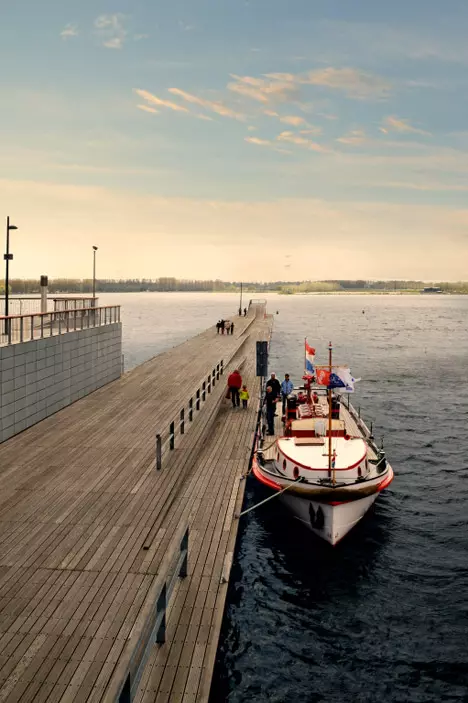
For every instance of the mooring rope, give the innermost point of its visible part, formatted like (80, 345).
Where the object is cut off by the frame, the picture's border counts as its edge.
(244, 512)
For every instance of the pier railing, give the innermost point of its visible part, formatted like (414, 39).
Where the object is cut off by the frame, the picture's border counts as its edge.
(151, 626)
(186, 414)
(26, 328)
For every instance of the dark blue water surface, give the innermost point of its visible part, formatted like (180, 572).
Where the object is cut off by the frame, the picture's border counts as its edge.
(382, 616)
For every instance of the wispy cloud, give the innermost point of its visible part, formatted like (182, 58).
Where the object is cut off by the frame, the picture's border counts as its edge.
(260, 142)
(261, 90)
(394, 124)
(70, 30)
(149, 97)
(355, 83)
(300, 141)
(293, 120)
(214, 106)
(111, 31)
(147, 108)
(355, 137)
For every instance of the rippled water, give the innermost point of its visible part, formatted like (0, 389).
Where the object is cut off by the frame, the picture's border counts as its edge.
(382, 616)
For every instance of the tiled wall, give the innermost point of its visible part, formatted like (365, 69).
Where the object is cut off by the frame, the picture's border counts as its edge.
(40, 377)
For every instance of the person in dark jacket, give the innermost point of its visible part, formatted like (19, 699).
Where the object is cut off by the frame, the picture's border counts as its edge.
(270, 400)
(232, 327)
(234, 384)
(274, 383)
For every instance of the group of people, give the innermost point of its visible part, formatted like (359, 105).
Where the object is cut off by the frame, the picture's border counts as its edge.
(240, 312)
(225, 325)
(237, 391)
(276, 391)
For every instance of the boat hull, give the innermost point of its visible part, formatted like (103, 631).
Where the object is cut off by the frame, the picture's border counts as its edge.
(331, 515)
(330, 522)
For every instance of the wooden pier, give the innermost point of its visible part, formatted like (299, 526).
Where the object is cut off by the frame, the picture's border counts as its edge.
(89, 526)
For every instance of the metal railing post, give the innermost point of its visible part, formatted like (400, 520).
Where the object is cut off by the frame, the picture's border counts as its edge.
(42, 326)
(158, 453)
(182, 421)
(74, 320)
(204, 391)
(21, 329)
(190, 412)
(217, 372)
(67, 320)
(222, 367)
(209, 383)
(172, 435)
(213, 378)
(161, 608)
(197, 402)
(32, 326)
(52, 319)
(184, 548)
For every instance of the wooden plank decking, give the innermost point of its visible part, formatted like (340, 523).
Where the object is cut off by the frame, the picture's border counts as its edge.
(86, 520)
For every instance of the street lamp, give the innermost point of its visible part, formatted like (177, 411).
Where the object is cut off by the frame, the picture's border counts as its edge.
(8, 257)
(94, 275)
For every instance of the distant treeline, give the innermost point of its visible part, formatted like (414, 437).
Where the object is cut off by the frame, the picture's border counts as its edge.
(132, 285)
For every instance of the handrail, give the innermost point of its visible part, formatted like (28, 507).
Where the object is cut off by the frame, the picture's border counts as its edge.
(150, 627)
(194, 403)
(58, 312)
(27, 328)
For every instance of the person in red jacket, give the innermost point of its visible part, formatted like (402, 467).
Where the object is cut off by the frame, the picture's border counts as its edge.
(234, 384)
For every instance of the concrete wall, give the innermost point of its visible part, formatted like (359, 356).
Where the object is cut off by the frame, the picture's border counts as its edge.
(41, 377)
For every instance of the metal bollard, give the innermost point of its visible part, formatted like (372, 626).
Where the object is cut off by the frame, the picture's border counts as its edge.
(182, 421)
(217, 372)
(204, 391)
(209, 383)
(190, 412)
(197, 403)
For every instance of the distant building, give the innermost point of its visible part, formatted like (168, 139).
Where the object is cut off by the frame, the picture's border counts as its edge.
(432, 289)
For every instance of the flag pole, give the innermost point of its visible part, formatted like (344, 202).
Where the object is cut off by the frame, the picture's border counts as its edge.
(330, 349)
(305, 356)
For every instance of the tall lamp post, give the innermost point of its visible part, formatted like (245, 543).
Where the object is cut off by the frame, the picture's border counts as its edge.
(8, 257)
(94, 275)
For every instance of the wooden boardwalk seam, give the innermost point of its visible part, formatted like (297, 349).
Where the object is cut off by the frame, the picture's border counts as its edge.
(86, 521)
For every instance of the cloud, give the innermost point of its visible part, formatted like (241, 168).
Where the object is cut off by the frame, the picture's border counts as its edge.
(215, 106)
(251, 128)
(261, 90)
(293, 120)
(300, 141)
(149, 97)
(394, 124)
(355, 137)
(110, 30)
(260, 142)
(270, 113)
(70, 30)
(139, 37)
(355, 83)
(147, 108)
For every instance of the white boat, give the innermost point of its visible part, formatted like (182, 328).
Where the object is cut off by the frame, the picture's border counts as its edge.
(323, 461)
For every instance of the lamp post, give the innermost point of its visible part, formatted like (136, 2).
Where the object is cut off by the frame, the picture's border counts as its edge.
(8, 257)
(94, 275)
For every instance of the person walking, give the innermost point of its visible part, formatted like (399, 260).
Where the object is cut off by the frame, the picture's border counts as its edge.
(218, 326)
(234, 384)
(286, 388)
(232, 327)
(270, 401)
(244, 396)
(245, 312)
(222, 326)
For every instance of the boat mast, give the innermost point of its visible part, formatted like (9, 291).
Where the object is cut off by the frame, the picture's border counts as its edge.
(330, 349)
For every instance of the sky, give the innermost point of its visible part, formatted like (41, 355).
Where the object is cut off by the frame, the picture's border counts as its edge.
(236, 139)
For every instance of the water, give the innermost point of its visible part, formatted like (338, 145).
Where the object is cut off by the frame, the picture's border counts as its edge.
(382, 616)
